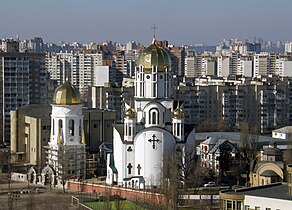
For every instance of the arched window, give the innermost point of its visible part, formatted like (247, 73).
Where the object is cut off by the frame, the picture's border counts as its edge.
(80, 131)
(60, 124)
(71, 127)
(154, 116)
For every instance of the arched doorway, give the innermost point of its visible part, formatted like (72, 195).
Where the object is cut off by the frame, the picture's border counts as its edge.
(48, 176)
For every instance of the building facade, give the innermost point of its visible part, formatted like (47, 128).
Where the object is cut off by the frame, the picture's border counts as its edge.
(23, 82)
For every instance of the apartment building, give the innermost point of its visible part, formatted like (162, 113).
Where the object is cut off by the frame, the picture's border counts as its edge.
(77, 67)
(23, 82)
(263, 103)
(112, 98)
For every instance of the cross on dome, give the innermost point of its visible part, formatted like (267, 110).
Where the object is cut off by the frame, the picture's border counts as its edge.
(154, 30)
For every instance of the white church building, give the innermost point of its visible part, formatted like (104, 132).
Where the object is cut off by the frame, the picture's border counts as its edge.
(152, 129)
(66, 158)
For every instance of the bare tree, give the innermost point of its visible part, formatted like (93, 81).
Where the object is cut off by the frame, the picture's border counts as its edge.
(248, 147)
(181, 171)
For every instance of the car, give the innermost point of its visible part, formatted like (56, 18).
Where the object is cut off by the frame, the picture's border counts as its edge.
(209, 184)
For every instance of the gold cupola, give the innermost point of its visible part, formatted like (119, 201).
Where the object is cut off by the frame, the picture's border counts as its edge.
(66, 94)
(130, 113)
(154, 55)
(178, 113)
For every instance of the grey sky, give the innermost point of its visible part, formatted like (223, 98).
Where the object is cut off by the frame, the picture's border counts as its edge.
(179, 21)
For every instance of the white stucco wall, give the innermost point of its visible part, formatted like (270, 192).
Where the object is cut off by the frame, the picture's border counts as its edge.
(151, 160)
(263, 203)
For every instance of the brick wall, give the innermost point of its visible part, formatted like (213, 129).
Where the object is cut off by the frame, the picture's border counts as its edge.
(127, 193)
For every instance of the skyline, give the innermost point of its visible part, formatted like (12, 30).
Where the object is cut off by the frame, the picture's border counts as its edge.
(179, 22)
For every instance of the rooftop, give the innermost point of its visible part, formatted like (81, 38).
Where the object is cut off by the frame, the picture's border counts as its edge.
(276, 190)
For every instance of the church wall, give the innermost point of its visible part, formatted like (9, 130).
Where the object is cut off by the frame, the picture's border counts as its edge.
(151, 159)
(118, 150)
(130, 159)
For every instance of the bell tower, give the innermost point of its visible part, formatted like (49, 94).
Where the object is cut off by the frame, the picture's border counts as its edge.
(66, 150)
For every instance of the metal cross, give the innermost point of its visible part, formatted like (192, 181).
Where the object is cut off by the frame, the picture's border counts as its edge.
(153, 140)
(154, 29)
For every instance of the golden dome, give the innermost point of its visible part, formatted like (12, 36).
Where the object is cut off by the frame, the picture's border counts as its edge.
(66, 94)
(130, 113)
(154, 55)
(178, 113)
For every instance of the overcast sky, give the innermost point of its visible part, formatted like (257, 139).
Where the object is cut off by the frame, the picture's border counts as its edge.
(179, 21)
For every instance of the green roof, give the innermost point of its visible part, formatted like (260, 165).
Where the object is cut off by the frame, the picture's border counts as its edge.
(112, 164)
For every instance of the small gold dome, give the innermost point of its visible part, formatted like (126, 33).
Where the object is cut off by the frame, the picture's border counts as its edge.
(178, 113)
(130, 113)
(154, 55)
(66, 94)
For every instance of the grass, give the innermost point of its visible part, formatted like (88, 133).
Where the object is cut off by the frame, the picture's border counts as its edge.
(126, 205)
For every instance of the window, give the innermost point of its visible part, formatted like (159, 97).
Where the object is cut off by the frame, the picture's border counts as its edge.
(94, 125)
(130, 130)
(153, 116)
(60, 124)
(80, 131)
(71, 127)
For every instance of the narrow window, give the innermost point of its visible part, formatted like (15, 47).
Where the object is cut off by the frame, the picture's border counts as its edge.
(71, 127)
(178, 129)
(60, 124)
(130, 130)
(80, 131)
(154, 117)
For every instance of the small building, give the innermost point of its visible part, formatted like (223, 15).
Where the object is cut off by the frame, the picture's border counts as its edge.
(212, 148)
(267, 197)
(270, 168)
(284, 133)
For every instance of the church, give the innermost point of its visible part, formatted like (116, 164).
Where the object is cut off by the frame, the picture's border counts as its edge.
(66, 158)
(153, 128)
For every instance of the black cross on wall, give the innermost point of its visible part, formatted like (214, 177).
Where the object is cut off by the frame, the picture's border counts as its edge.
(129, 168)
(139, 169)
(153, 140)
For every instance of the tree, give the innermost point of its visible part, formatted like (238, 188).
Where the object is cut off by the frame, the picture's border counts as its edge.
(248, 147)
(181, 171)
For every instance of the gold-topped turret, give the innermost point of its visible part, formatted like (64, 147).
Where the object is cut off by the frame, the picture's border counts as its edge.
(178, 113)
(154, 55)
(66, 94)
(130, 113)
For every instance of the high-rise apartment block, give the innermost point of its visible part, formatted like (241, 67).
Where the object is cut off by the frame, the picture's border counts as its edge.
(78, 67)
(23, 82)
(264, 102)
